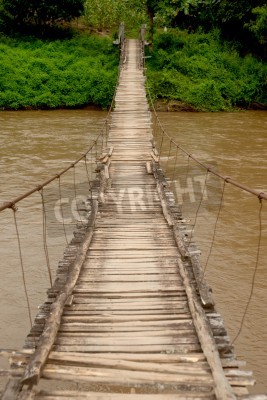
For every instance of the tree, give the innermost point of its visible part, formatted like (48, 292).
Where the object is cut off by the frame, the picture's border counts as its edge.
(107, 14)
(259, 25)
(42, 12)
(163, 12)
(101, 14)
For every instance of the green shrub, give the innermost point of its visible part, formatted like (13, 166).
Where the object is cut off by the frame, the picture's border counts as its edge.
(67, 73)
(199, 70)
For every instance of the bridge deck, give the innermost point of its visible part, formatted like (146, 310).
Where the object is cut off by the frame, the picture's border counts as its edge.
(128, 330)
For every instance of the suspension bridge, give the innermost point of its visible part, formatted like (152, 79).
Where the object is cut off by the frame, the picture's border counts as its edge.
(129, 315)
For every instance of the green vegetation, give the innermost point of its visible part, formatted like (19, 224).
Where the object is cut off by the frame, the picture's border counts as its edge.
(212, 57)
(108, 14)
(197, 70)
(39, 12)
(240, 20)
(62, 73)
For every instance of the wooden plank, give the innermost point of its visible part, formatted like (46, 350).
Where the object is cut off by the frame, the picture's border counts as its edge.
(76, 339)
(127, 335)
(165, 348)
(124, 318)
(196, 359)
(127, 307)
(185, 395)
(102, 362)
(12, 389)
(82, 326)
(118, 376)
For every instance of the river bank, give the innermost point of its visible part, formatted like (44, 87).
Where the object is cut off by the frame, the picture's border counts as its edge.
(167, 105)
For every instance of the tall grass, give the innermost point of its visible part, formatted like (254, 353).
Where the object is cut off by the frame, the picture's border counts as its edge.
(62, 73)
(199, 70)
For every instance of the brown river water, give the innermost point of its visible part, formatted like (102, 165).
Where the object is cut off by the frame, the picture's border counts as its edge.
(36, 145)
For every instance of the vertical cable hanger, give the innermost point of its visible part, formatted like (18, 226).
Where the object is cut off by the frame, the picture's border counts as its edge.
(169, 154)
(41, 192)
(215, 228)
(75, 195)
(174, 168)
(199, 206)
(61, 209)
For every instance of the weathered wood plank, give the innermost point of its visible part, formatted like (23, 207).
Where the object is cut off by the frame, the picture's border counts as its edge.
(185, 395)
(119, 376)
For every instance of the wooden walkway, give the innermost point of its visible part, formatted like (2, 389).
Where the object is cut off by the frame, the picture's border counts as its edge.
(134, 326)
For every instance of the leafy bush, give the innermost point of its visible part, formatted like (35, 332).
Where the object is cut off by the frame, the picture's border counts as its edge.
(68, 73)
(107, 14)
(199, 70)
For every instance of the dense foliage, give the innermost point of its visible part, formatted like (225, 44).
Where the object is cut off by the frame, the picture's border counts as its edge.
(39, 12)
(197, 70)
(107, 14)
(240, 20)
(204, 60)
(244, 21)
(67, 73)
